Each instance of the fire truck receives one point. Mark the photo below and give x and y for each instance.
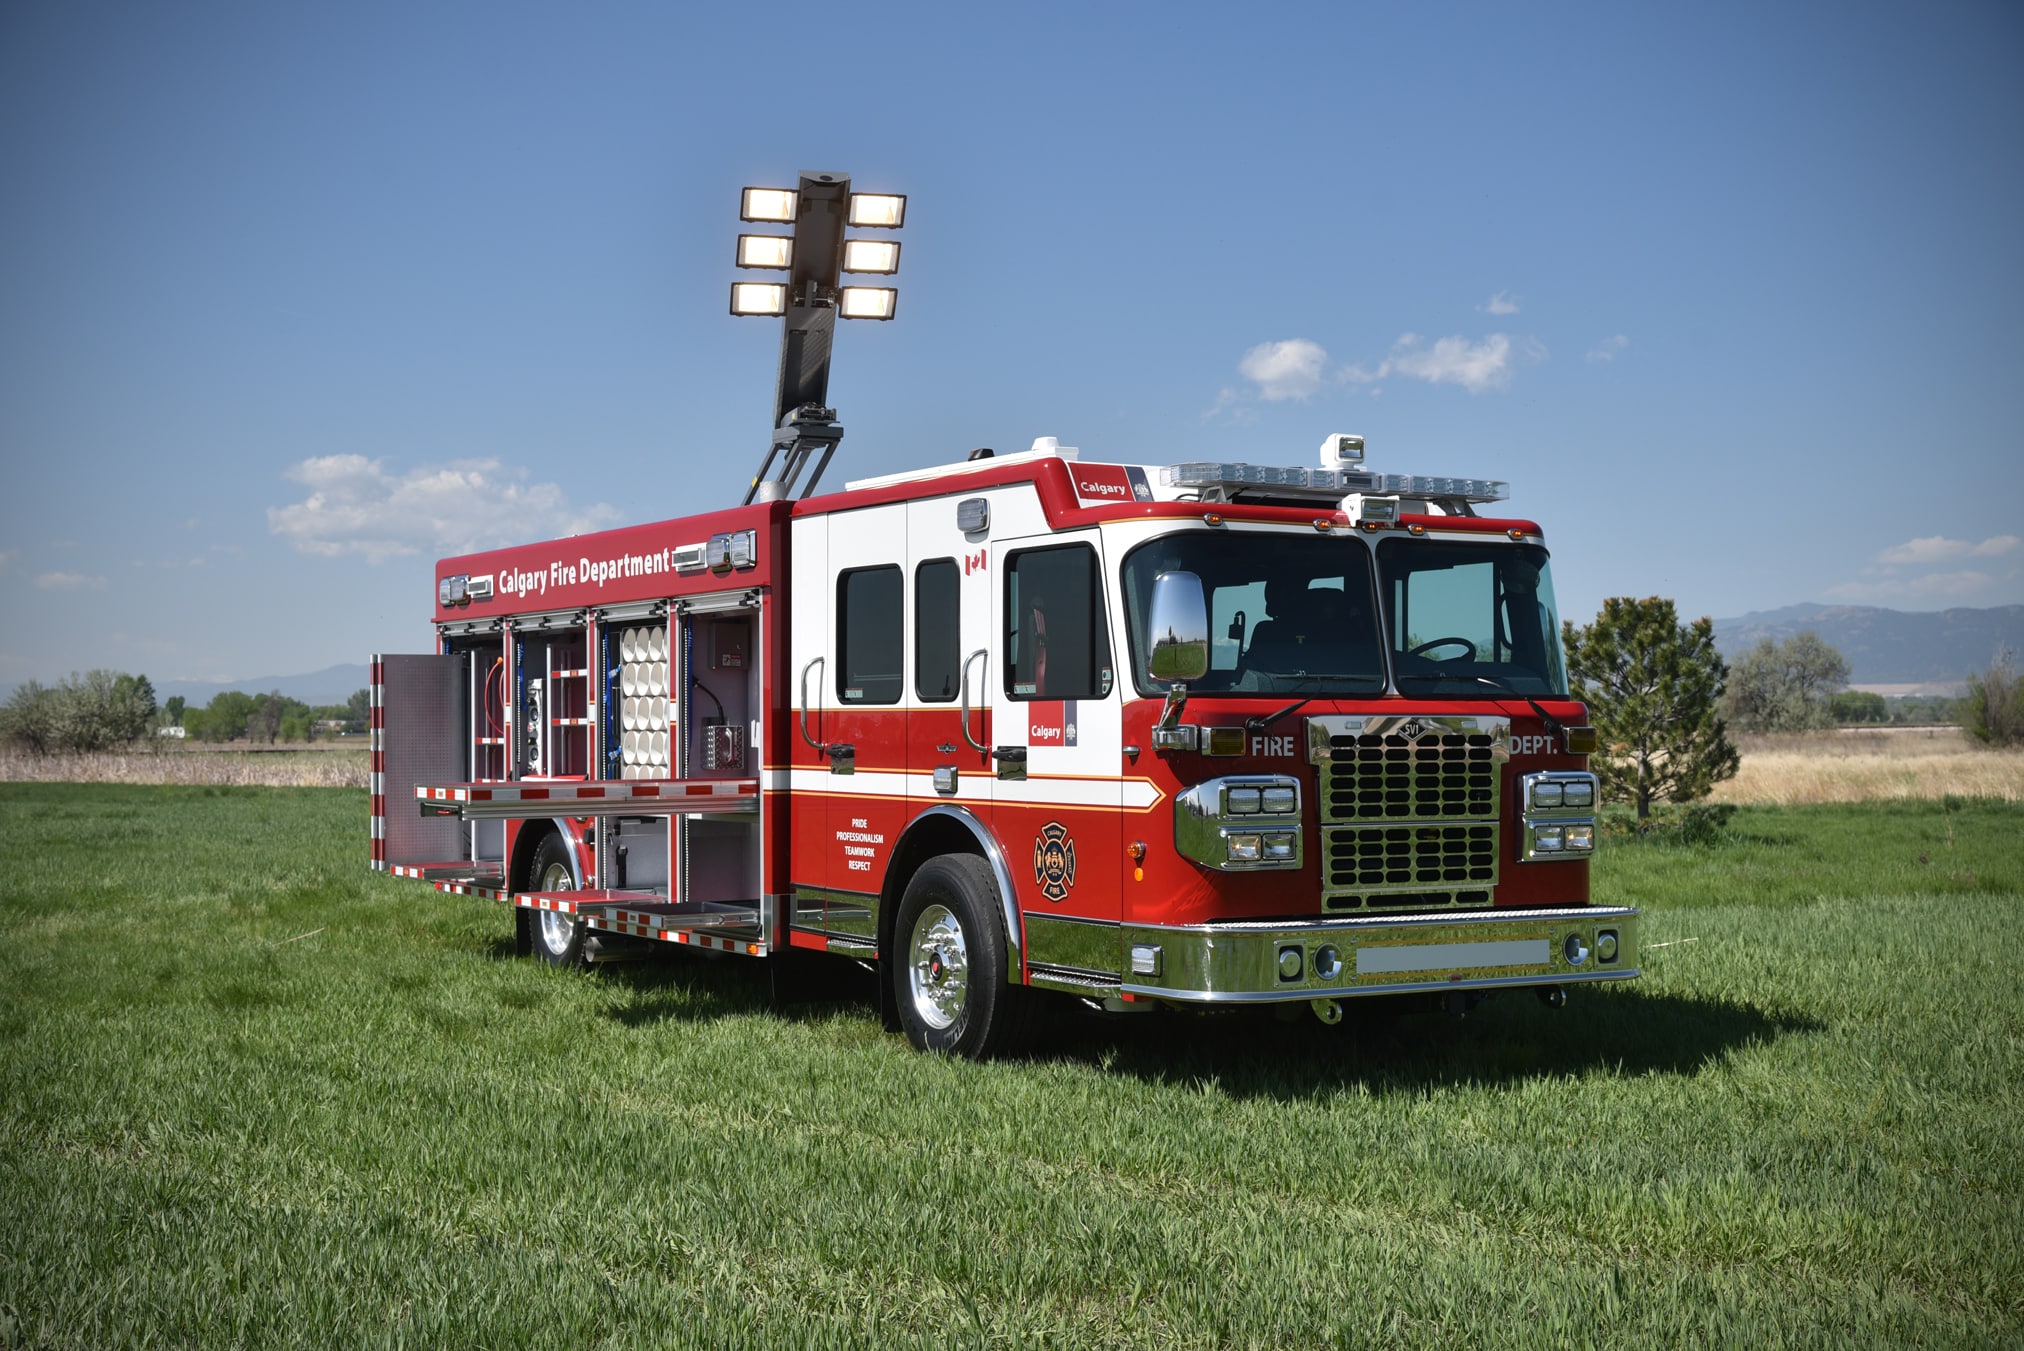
(1151, 736)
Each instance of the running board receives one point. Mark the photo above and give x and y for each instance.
(525, 799)
(637, 914)
(457, 870)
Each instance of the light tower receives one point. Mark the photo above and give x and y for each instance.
(809, 302)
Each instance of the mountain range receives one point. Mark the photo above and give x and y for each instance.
(1888, 647)
(331, 685)
(1938, 648)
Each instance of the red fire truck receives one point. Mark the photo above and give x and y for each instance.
(1152, 736)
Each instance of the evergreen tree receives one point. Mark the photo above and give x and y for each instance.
(1652, 686)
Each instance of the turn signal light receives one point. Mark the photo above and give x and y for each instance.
(1581, 740)
(1223, 741)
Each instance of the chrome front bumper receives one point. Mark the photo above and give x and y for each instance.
(1380, 954)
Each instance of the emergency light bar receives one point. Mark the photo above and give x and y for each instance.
(1227, 479)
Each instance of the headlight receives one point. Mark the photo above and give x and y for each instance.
(1240, 823)
(1558, 815)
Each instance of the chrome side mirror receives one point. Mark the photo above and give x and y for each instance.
(1178, 620)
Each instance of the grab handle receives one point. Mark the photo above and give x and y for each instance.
(819, 747)
(967, 661)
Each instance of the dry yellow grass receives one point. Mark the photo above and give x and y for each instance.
(346, 768)
(1785, 770)
(1870, 766)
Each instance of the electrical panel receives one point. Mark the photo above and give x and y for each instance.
(730, 643)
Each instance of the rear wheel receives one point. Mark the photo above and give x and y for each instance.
(949, 963)
(556, 938)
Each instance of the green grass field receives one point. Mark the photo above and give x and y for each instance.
(251, 1094)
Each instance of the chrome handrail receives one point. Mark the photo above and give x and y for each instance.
(813, 663)
(967, 661)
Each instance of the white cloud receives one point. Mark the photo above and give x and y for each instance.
(68, 581)
(6, 560)
(1475, 366)
(1940, 549)
(1607, 349)
(1962, 585)
(356, 507)
(1284, 370)
(1501, 303)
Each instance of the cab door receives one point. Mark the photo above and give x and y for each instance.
(1056, 733)
(862, 689)
(949, 663)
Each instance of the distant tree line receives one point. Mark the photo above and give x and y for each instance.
(268, 718)
(103, 710)
(1662, 699)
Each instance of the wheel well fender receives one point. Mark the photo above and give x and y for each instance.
(948, 829)
(529, 838)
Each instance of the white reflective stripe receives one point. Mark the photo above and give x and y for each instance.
(1379, 961)
(379, 828)
(848, 785)
(772, 780)
(379, 784)
(1133, 794)
(379, 738)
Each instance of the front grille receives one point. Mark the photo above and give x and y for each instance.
(1411, 858)
(1388, 777)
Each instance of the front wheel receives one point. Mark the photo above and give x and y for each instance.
(949, 963)
(557, 938)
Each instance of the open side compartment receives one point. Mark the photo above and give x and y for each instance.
(643, 720)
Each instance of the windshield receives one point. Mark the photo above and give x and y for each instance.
(1462, 619)
(1287, 613)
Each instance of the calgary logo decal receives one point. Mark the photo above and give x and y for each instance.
(1054, 861)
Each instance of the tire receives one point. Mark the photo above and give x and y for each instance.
(948, 970)
(555, 938)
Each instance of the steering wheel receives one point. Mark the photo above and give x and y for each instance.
(1429, 645)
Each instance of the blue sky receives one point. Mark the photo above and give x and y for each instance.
(297, 299)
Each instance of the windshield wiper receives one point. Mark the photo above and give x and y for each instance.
(1553, 724)
(1255, 724)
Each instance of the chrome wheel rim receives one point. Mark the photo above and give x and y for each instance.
(938, 968)
(557, 930)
